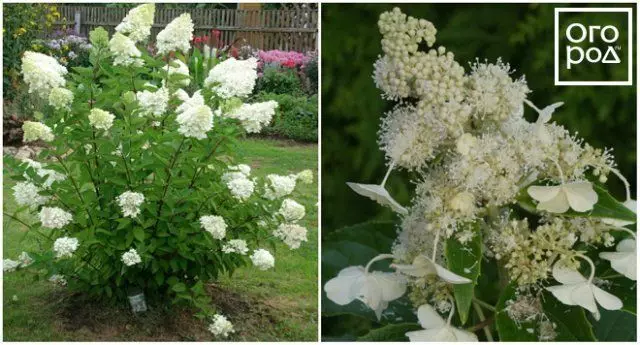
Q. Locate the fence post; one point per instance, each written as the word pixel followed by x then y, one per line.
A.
pixel 76 19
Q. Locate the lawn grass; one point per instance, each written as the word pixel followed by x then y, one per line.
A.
pixel 275 305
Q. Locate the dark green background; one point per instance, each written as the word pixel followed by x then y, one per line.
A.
pixel 522 34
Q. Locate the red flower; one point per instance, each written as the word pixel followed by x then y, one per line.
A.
pixel 197 40
pixel 216 33
pixel 234 52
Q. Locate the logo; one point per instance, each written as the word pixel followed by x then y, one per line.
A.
pixel 592 42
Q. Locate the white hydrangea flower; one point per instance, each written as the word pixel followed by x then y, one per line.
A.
pixel 220 326
pixel 379 194
pixel 130 203
pixel 9 265
pixel 241 187
pixel 375 289
pixel 42 73
pixel 578 196
pixel 65 247
pixel 153 103
pixel 278 186
pixel 177 35
pixel 255 116
pixel 179 68
pixel 242 168
pixel 52 176
pixel 54 217
pixel 436 329
pixel 194 101
pixel 291 234
pixel 36 131
pixel 25 259
pixel 58 279
pixel 422 266
pixel 624 259
pixel 137 23
pixel 195 122
pixel 235 246
pixel 60 98
pixel 124 51
pixel 27 194
pixel 306 176
pixel 291 210
pixel 233 78
pixel 262 259
pixel 131 257
pixel 232 175
pixel 215 225
pixel 101 119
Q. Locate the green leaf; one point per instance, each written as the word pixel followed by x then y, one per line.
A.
pixel 390 332
pixel 571 321
pixel 615 325
pixel 138 233
pixel 465 260
pixel 606 207
pixel 355 246
pixel 179 287
pixel 509 330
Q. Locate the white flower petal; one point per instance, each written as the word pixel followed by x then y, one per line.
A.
pixel 581 195
pixel 558 204
pixel 566 275
pixel 563 293
pixel 392 285
pixel 546 113
pixel 379 194
pixel 582 295
pixel 340 289
pixel 450 277
pixel 428 335
pixel 429 318
pixel 543 193
pixel 605 299
pixel 462 335
pixel 624 260
pixel 627 245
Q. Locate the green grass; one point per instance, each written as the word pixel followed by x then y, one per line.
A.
pixel 275 305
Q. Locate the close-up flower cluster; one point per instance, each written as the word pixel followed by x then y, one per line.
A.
pixel 490 186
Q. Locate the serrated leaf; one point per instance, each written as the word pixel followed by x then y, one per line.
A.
pixel 606 207
pixel 570 321
pixel 615 325
pixel 390 332
pixel 465 260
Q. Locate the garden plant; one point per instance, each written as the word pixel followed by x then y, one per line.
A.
pixel 502 207
pixel 139 193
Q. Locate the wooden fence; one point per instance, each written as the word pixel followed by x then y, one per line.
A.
pixel 261 29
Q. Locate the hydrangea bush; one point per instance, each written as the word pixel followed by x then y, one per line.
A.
pixel 511 234
pixel 139 187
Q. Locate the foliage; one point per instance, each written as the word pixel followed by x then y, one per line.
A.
pixel 22 23
pixel 296 116
pixel 66 46
pixel 96 158
pixel 310 70
pixel 279 80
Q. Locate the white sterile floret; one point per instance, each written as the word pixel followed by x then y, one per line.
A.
pixel 178 67
pixel 65 247
pixel 36 131
pixel 624 259
pixel 54 217
pixel 492 92
pixel 233 78
pixel 242 168
pixel 42 73
pixel 176 36
pixel 422 266
pixel 436 329
pixel 220 326
pixel 215 225
pixel 124 51
pixel 578 196
pixel 577 290
pixel 374 289
pixel 291 234
pixel 131 257
pixel 153 103
pixel 241 187
pixel 305 176
pixel 130 202
pixel 195 122
pixel 278 186
pixel 235 246
pixel 27 194
pixel 137 23
pixel 25 259
pixel 9 265
pixel 101 119
pixel 60 98
pixel 262 259
pixel 255 116
pixel 291 211
pixel 379 194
